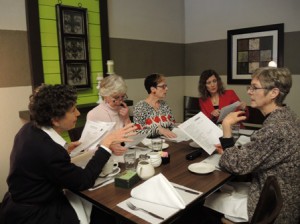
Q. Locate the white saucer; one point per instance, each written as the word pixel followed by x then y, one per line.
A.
pixel 164 146
pixel 201 168
pixel 194 145
pixel 114 173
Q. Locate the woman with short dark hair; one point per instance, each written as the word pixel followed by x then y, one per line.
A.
pixel 40 166
pixel 153 115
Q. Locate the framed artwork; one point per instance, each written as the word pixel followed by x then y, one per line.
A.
pixel 251 48
pixel 73 46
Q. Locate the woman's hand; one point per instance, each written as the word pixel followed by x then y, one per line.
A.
pixel 117 149
pixel 124 113
pixel 219 149
pixel 215 113
pixel 120 135
pixel 229 120
pixel 72 146
pixel 166 132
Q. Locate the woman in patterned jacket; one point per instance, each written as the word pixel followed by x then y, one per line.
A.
pixel 153 114
pixel 273 150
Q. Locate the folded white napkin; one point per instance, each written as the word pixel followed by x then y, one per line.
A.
pixel 158 190
pixel 213 160
pixel 242 140
pixel 231 201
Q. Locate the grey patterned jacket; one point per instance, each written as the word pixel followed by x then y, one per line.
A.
pixel 273 150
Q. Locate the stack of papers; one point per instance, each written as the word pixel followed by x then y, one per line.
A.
pixel 91 135
pixel 202 131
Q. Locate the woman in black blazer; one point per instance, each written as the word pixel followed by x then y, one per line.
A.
pixel 40 167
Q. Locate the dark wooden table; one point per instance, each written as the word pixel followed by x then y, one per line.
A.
pixel 107 197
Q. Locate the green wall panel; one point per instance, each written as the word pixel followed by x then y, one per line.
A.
pixel 51 67
pixel 49 39
pixel 48 26
pixel 47 12
pixel 94 18
pixel 52 78
pixel 50 53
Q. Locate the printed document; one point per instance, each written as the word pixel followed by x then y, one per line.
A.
pixel 91 135
pixel 202 131
pixel 228 109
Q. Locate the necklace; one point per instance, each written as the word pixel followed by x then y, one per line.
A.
pixel 215 100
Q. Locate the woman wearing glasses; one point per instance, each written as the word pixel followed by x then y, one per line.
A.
pixel 273 150
pixel 213 96
pixel 113 108
pixel 153 114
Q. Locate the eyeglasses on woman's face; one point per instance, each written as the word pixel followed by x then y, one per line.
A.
pixel 120 98
pixel 252 88
pixel 164 86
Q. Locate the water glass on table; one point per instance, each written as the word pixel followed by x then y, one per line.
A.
pixel 130 159
pixel 235 129
pixel 156 144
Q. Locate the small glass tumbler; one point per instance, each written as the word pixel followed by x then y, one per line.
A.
pixel 130 159
pixel 156 144
pixel 235 129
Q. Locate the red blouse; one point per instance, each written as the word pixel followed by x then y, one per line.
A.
pixel 225 99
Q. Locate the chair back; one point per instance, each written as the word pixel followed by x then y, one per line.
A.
pixel 269 204
pixel 191 107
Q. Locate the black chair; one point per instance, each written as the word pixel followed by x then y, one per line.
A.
pixel 269 203
pixel 191 107
pixel 255 118
pixel 75 133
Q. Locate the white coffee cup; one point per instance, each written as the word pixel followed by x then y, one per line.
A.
pixel 109 167
pixel 155 158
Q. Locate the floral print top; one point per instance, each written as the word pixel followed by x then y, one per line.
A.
pixel 147 119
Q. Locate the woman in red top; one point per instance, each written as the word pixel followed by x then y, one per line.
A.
pixel 213 96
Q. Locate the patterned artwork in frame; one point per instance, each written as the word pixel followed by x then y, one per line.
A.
pixel 73 46
pixel 251 48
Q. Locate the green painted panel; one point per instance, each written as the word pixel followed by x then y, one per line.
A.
pixel 95 42
pixel 47 12
pixel 48 26
pixel 89 99
pixel 94 30
pixel 96 66
pixel 94 18
pixel 49 40
pixel 50 53
pixel 95 54
pixel 52 79
pixel 48 2
pixel 51 67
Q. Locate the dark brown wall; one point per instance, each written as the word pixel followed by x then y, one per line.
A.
pixel 14 62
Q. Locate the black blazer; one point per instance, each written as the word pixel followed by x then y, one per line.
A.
pixel 39 171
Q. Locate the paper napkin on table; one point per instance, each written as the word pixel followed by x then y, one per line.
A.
pixel 158 190
pixel 242 140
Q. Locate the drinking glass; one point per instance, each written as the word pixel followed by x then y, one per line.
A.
pixel 130 159
pixel 235 129
pixel 156 144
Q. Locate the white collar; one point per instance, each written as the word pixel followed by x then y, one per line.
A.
pixel 54 136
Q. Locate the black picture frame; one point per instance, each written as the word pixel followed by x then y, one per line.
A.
pixel 72 30
pixel 251 48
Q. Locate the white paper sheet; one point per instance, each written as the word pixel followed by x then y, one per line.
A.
pixel 203 131
pixel 136 140
pixel 181 136
pixel 91 135
pixel 228 109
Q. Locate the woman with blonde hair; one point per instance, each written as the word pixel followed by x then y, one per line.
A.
pixel 113 108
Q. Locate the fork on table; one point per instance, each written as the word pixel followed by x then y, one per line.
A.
pixel 133 207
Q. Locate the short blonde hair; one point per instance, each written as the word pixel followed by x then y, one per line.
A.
pixel 112 85
pixel 280 78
